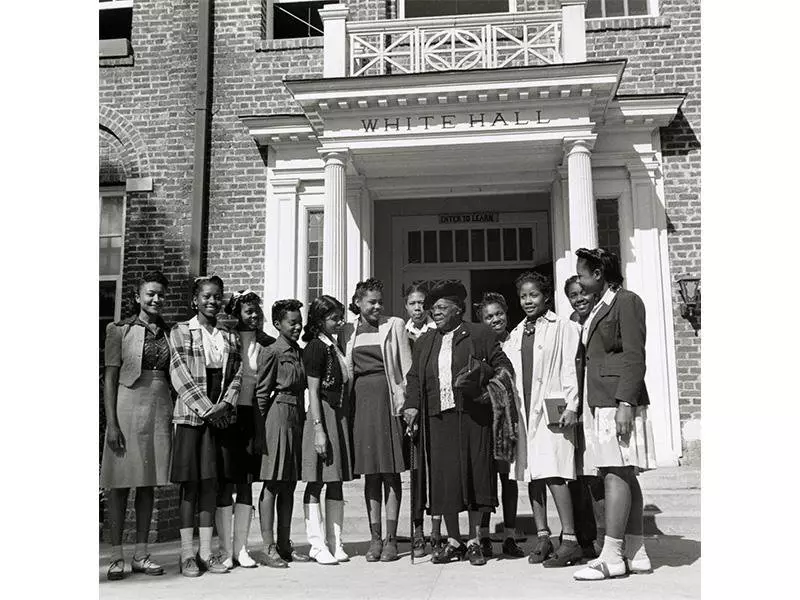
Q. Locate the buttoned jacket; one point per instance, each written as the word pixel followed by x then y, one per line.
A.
pixel 615 353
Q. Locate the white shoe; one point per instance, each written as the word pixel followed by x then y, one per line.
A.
pixel 334 517
pixel 319 552
pixel 242 517
pixel 598 570
pixel 639 564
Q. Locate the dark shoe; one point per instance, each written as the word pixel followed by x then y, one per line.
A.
pixel 449 553
pixel 273 558
pixel 475 555
pixel 486 547
pixel 418 544
pixel 588 551
pixel 289 554
pixel 389 552
pixel 511 550
pixel 116 570
pixel 568 554
pixel 542 550
pixel 212 565
pixel 146 566
pixel 189 567
pixel 375 550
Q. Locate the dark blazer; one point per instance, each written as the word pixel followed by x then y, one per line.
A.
pixel 474 339
pixel 615 354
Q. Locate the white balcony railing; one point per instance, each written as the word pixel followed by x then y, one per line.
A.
pixel 446 44
pixel 489 41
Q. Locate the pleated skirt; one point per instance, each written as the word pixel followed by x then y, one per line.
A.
pixel 338 462
pixel 283 443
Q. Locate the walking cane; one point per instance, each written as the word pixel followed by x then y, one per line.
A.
pixel 414 459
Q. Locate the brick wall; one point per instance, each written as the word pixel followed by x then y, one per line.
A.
pixel 664 57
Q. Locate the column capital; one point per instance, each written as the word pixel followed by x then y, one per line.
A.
pixel 334 155
pixel 571 2
pixel 334 11
pixel 583 143
pixel 285 185
pixel 643 170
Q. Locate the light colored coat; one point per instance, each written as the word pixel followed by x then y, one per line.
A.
pixel 396 352
pixel 541 451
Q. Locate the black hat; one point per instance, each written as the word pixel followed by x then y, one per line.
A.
pixel 451 290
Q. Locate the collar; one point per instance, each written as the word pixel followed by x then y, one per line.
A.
pixel 285 346
pixel 195 324
pixel 452 331
pixel 428 324
pixel 135 320
pixel 324 339
pixel 608 297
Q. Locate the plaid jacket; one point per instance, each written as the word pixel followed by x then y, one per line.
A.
pixel 188 372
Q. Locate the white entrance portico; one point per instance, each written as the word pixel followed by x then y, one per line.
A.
pixel 534 145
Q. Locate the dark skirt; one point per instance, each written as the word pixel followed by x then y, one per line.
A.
pixel 238 450
pixel 283 442
pixel 338 463
pixel 377 433
pixel 463 475
pixel 196 451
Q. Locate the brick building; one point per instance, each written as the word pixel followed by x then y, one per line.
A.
pixel 298 146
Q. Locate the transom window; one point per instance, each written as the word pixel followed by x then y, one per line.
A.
pixel 485 245
pixel 428 8
pixel 314 253
pixel 598 9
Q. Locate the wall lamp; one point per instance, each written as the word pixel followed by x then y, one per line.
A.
pixel 690 295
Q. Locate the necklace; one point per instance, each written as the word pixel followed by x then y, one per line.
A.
pixel 530 327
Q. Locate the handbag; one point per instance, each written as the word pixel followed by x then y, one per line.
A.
pixel 473 378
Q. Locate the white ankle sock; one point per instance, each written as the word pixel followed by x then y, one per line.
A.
pixel 187 542
pixel 116 553
pixel 140 552
pixel 612 550
pixel 205 542
pixel 634 547
pixel 569 537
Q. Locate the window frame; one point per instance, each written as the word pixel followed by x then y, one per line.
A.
pixel 115 47
pixel 308 209
pixel 401 10
pixel 652 10
pixel 119 192
pixel 269 21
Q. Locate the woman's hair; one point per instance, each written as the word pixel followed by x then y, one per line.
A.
pixel 491 298
pixel 572 279
pixel 606 261
pixel 281 307
pixel 234 306
pixel 199 282
pixel 152 277
pixel 321 308
pixel 362 289
pixel 415 288
pixel 542 282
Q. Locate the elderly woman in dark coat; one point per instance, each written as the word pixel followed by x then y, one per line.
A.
pixel 460 382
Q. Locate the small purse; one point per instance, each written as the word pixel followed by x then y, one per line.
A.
pixel 553 409
pixel 473 377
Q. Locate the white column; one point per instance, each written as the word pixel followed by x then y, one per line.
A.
pixel 573 31
pixel 563 267
pixel 582 208
pixel 334 243
pixel 334 17
pixel 649 241
pixel 355 192
pixel 282 261
pixel 367 240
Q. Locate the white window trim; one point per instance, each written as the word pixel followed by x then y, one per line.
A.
pixel 116 192
pixel 115 4
pixel 306 207
pixel 652 11
pixel 270 8
pixel 401 8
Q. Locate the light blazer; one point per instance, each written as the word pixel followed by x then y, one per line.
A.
pixel 396 353
pixel 554 349
pixel 129 334
pixel 615 354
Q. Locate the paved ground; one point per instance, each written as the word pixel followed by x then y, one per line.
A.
pixel 673 542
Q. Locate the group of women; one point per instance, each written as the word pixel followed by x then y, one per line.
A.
pixel 557 403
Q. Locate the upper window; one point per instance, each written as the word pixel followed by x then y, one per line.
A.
pixel 295 18
pixel 598 9
pixel 116 20
pixel 314 251
pixel 426 8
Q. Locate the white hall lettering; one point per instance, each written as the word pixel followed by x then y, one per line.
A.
pixel 450 121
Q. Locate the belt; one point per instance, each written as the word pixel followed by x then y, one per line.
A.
pixel 287 397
